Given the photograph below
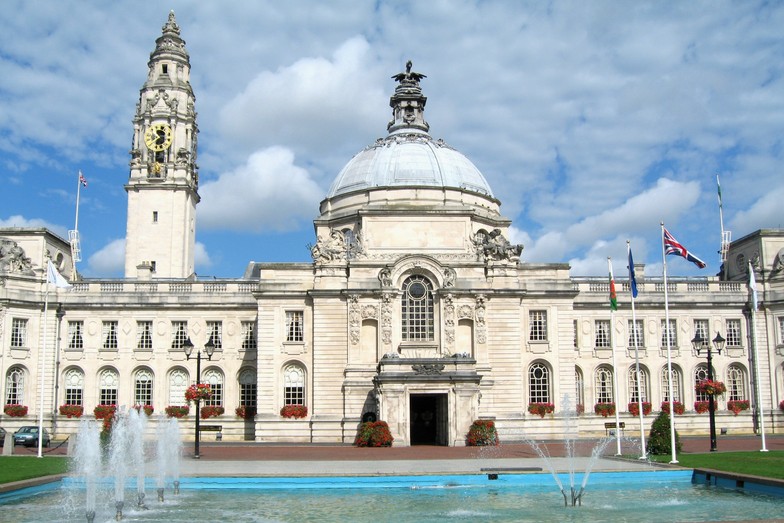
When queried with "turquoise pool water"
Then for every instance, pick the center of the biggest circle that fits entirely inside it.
(654, 496)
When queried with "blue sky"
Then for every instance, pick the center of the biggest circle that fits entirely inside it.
(592, 121)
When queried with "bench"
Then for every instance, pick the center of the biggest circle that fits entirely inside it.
(218, 429)
(610, 427)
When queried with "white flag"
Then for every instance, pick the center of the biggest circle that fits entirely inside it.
(52, 276)
(753, 287)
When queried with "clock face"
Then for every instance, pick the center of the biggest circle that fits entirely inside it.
(158, 137)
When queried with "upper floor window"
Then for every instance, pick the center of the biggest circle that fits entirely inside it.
(636, 335)
(733, 333)
(75, 340)
(215, 333)
(603, 333)
(249, 335)
(781, 330)
(418, 317)
(179, 334)
(669, 334)
(18, 333)
(109, 334)
(144, 335)
(537, 321)
(701, 329)
(295, 328)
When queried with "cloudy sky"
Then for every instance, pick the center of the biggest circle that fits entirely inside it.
(592, 121)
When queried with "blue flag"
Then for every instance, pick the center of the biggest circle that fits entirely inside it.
(632, 279)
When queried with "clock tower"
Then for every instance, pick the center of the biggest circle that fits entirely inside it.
(163, 184)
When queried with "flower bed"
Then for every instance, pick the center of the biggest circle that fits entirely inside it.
(104, 411)
(677, 406)
(541, 408)
(211, 412)
(634, 408)
(177, 411)
(374, 434)
(147, 409)
(701, 407)
(482, 434)
(245, 412)
(199, 391)
(605, 409)
(16, 411)
(737, 405)
(294, 411)
(710, 388)
(71, 411)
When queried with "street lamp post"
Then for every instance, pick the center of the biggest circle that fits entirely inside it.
(699, 343)
(209, 348)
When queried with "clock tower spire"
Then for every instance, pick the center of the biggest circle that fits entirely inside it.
(163, 184)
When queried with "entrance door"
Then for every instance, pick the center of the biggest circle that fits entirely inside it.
(429, 419)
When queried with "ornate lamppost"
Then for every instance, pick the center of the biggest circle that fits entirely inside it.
(209, 348)
(699, 344)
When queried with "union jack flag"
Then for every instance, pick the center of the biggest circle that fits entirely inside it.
(671, 246)
(82, 179)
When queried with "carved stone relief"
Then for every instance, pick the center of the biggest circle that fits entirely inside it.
(354, 320)
(481, 327)
(386, 319)
(13, 259)
(385, 277)
(494, 246)
(449, 277)
(449, 323)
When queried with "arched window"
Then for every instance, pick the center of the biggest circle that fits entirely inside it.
(247, 380)
(736, 383)
(74, 387)
(579, 394)
(108, 381)
(178, 383)
(214, 378)
(293, 385)
(638, 391)
(418, 319)
(14, 386)
(539, 383)
(142, 387)
(676, 384)
(701, 373)
(603, 383)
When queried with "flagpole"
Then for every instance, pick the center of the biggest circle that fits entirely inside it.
(73, 236)
(615, 367)
(669, 350)
(41, 371)
(758, 395)
(725, 235)
(632, 292)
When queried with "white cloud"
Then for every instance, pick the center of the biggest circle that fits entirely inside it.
(109, 260)
(20, 221)
(766, 212)
(201, 257)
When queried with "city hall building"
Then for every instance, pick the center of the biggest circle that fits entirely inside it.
(415, 310)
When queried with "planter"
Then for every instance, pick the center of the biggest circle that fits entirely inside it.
(580, 409)
(104, 411)
(710, 388)
(604, 409)
(294, 411)
(245, 412)
(147, 409)
(736, 406)
(678, 407)
(16, 411)
(211, 412)
(634, 408)
(374, 434)
(701, 407)
(482, 434)
(199, 391)
(541, 408)
(177, 411)
(71, 411)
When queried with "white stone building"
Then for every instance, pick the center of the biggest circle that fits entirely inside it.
(416, 309)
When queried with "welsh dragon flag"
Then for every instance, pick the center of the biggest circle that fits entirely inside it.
(613, 297)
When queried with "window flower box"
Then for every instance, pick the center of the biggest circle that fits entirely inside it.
(16, 411)
(147, 409)
(710, 388)
(177, 411)
(198, 392)
(737, 405)
(104, 411)
(677, 406)
(580, 409)
(211, 412)
(294, 411)
(374, 434)
(482, 434)
(541, 409)
(781, 405)
(245, 412)
(701, 407)
(71, 411)
(634, 408)
(604, 409)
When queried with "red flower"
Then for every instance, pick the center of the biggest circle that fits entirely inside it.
(177, 411)
(199, 391)
(294, 411)
(374, 434)
(737, 405)
(71, 411)
(710, 388)
(605, 409)
(634, 408)
(104, 411)
(15, 410)
(541, 408)
(482, 434)
(677, 406)
(211, 412)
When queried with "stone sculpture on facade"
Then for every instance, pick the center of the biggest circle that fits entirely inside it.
(330, 249)
(494, 246)
(13, 259)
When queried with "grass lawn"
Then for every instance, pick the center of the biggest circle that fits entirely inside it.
(15, 468)
(766, 464)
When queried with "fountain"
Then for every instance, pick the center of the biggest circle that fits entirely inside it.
(87, 463)
(169, 450)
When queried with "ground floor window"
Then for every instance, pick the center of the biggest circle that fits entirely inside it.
(293, 385)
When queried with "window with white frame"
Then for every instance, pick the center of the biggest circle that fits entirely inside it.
(418, 313)
(293, 385)
(75, 340)
(701, 374)
(295, 328)
(676, 384)
(18, 333)
(602, 339)
(733, 333)
(74, 387)
(247, 380)
(179, 334)
(736, 383)
(215, 333)
(574, 329)
(214, 378)
(781, 330)
(701, 329)
(638, 388)
(636, 335)
(142, 387)
(144, 335)
(539, 383)
(108, 382)
(603, 384)
(669, 334)
(537, 321)
(178, 383)
(109, 335)
(14, 386)
(249, 335)
(579, 398)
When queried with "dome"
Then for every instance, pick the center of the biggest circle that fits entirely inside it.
(409, 156)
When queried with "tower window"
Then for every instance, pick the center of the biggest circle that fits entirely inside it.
(165, 69)
(154, 216)
(152, 265)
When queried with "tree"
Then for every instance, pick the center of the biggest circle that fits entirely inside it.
(659, 438)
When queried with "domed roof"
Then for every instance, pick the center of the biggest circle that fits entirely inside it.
(409, 156)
